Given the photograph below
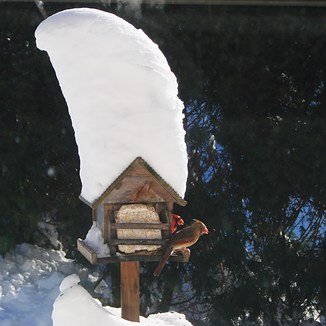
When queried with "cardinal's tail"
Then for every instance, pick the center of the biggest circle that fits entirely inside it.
(162, 262)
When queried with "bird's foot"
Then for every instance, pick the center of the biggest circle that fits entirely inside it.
(185, 252)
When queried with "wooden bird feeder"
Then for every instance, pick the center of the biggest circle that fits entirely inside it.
(134, 214)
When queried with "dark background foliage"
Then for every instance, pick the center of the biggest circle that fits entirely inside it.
(253, 83)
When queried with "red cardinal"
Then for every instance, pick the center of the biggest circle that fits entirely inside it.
(182, 239)
(176, 220)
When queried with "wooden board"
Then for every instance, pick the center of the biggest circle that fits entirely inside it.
(138, 257)
(130, 291)
(86, 251)
(144, 226)
(91, 256)
(134, 242)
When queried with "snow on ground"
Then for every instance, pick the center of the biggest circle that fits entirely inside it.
(29, 284)
(75, 306)
(35, 281)
(121, 94)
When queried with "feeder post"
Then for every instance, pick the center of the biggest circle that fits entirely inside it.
(130, 290)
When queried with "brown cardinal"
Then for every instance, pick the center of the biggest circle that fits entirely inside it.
(176, 220)
(182, 239)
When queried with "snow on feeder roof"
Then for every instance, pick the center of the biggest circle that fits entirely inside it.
(121, 96)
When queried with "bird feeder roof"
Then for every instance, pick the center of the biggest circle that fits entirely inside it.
(121, 188)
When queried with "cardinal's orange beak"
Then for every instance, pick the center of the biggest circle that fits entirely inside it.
(180, 221)
(205, 231)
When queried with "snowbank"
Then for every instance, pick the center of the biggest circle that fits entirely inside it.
(29, 284)
(75, 306)
(121, 96)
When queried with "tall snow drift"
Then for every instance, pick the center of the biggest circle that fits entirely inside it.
(121, 96)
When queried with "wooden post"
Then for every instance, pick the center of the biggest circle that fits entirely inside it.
(130, 290)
